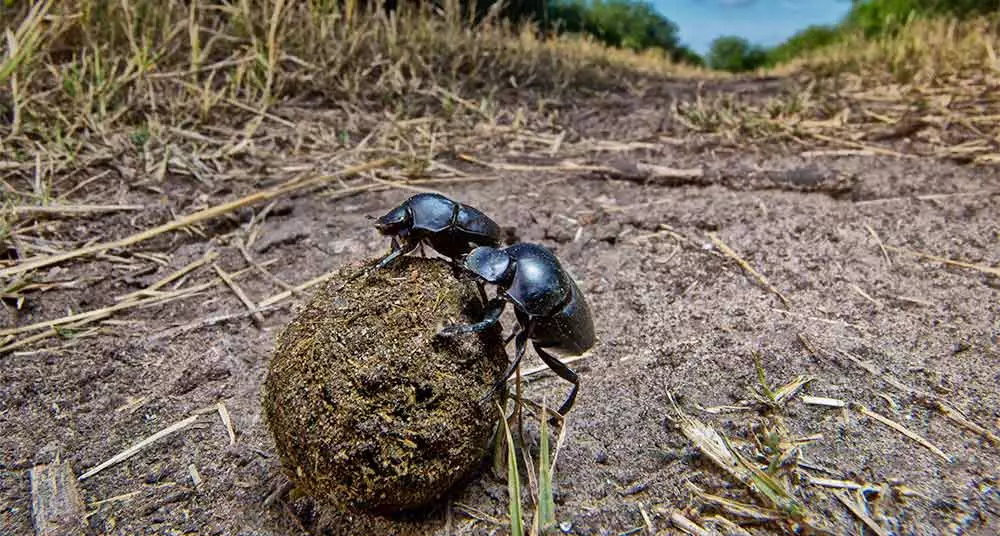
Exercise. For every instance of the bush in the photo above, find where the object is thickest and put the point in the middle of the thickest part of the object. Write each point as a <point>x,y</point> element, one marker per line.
<point>875,18</point>
<point>811,38</point>
<point>635,25</point>
<point>880,17</point>
<point>735,54</point>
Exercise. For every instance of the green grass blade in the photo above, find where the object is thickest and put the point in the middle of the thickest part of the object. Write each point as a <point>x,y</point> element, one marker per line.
<point>546,502</point>
<point>513,483</point>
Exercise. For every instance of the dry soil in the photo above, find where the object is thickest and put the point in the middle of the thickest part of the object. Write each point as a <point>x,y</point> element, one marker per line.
<point>673,315</point>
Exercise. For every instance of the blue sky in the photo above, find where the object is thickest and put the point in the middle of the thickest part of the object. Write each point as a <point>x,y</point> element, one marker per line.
<point>764,22</point>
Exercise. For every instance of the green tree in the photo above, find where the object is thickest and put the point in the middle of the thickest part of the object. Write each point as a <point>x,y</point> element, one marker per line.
<point>684,54</point>
<point>878,17</point>
<point>735,54</point>
<point>811,38</point>
<point>620,23</point>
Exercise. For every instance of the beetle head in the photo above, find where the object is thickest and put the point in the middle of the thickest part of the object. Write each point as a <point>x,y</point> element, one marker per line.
<point>396,220</point>
<point>491,264</point>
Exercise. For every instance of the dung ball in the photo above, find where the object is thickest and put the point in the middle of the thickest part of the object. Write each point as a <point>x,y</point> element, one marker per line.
<point>367,408</point>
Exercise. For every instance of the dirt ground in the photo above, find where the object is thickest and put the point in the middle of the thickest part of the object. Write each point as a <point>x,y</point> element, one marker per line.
<point>674,315</point>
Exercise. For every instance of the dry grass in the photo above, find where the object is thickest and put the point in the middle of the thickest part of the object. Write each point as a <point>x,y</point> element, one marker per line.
<point>928,91</point>
<point>249,96</point>
<point>924,52</point>
<point>86,70</point>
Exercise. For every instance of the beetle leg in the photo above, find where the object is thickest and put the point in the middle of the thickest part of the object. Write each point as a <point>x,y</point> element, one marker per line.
<point>513,333</point>
<point>403,250</point>
<point>397,251</point>
<point>520,345</point>
<point>494,308</point>
<point>456,270</point>
<point>482,292</point>
<point>563,372</point>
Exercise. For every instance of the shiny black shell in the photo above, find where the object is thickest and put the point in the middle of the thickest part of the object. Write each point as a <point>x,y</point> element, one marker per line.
<point>542,291</point>
<point>450,227</point>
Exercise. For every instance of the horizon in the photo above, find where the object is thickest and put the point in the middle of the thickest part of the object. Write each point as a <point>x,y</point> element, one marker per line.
<point>762,22</point>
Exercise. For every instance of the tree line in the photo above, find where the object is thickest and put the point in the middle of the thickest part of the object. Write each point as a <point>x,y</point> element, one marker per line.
<point>636,25</point>
<point>871,18</point>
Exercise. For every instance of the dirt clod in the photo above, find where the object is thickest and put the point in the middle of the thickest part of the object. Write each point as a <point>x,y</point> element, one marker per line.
<point>368,410</point>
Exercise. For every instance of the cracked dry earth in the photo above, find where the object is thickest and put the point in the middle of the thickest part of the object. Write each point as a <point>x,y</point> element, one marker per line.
<point>673,314</point>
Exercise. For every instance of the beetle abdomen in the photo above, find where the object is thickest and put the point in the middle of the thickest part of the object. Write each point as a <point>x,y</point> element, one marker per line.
<point>570,330</point>
<point>478,226</point>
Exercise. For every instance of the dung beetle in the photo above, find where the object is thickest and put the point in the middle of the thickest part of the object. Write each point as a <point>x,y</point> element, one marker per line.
<point>550,308</point>
<point>451,228</point>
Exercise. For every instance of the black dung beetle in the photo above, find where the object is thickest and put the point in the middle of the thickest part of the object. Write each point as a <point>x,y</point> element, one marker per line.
<point>550,309</point>
<point>451,228</point>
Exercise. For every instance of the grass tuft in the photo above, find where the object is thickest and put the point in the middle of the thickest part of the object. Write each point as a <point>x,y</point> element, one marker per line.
<point>546,518</point>
<point>513,481</point>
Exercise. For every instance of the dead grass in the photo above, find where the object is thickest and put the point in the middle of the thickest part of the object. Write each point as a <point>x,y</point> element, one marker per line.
<point>780,488</point>
<point>253,93</point>
<point>928,91</point>
<point>86,69</point>
<point>248,96</point>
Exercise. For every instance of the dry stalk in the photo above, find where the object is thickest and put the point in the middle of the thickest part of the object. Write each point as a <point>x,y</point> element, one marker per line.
<point>197,217</point>
<point>746,266</point>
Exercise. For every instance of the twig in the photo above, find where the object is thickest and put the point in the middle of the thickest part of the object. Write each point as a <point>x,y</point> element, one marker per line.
<point>746,266</point>
<point>823,401</point>
<point>543,368</point>
<point>206,322</point>
<point>880,244</point>
<point>859,513</point>
<point>201,215</point>
<point>241,245</point>
<point>73,209</point>
<point>404,186</point>
<point>899,428</point>
<point>728,527</point>
<point>633,170</point>
<point>207,257</point>
<point>861,146</point>
<point>838,152</point>
<point>258,318</point>
<point>866,296</point>
<point>840,484</point>
<point>56,506</point>
<point>985,269</point>
<point>138,447</point>
<point>689,526</point>
<point>956,416</point>
<point>928,197</point>
<point>227,421</point>
<point>650,528</point>
<point>82,319</point>
<point>8,344</point>
<point>927,398</point>
<point>100,313</point>
<point>299,288</point>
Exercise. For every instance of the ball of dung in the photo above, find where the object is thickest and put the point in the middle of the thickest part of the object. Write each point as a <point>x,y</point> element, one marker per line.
<point>367,408</point>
